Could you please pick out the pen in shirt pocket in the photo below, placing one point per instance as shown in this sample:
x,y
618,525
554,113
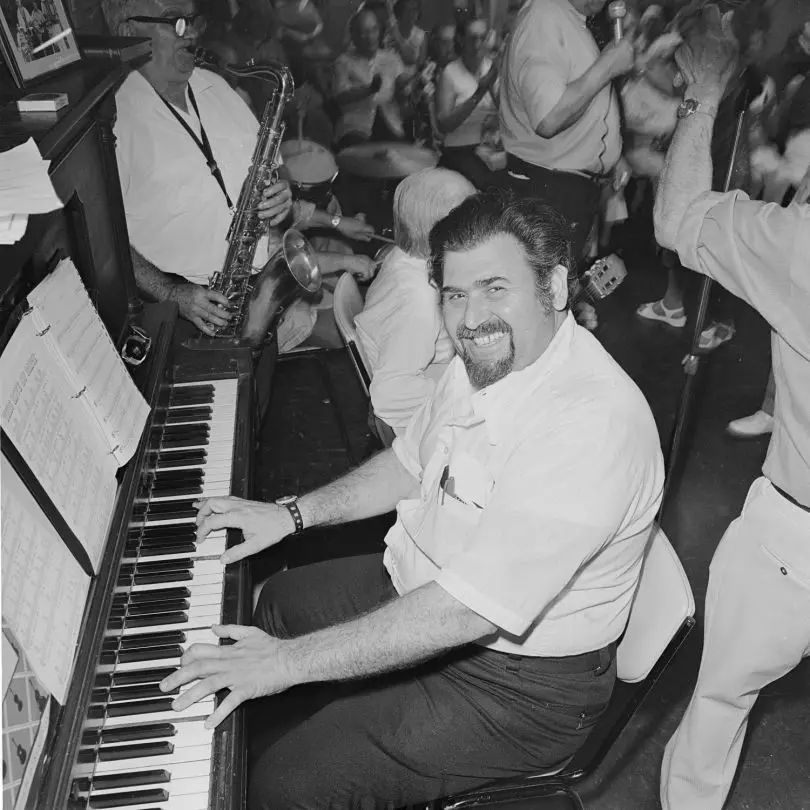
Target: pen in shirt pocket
x,y
447,485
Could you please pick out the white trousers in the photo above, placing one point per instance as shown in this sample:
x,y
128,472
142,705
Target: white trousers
x,y
757,629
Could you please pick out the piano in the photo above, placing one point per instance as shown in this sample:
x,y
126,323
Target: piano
x,y
116,741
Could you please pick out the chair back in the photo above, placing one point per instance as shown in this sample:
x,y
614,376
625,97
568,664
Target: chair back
x,y
346,305
662,603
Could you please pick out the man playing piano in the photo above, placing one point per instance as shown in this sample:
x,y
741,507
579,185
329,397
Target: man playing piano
x,y
185,142
482,643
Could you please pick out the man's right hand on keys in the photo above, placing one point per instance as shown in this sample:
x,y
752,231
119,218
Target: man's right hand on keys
x,y
206,309
262,524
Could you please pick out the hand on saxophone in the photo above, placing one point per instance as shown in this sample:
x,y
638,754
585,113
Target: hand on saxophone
x,y
276,203
206,309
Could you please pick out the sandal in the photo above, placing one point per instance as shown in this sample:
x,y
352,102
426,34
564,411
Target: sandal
x,y
656,311
714,335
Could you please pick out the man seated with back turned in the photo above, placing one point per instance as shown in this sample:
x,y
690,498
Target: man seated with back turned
x,y
482,642
185,142
400,328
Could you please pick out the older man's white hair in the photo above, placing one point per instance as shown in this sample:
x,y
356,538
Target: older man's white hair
x,y
420,201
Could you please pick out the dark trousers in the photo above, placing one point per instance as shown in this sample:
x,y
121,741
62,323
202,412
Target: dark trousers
x,y
465,161
575,196
454,723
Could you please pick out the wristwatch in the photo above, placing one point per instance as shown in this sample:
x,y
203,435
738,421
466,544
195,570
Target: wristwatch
x,y
690,106
290,503
336,220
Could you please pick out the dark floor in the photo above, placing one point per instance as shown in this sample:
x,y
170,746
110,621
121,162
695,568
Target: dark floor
x,y
317,430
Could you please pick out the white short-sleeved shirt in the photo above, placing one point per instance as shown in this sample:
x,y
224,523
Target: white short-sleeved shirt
x,y
353,70
177,216
549,48
457,84
403,336
538,494
759,251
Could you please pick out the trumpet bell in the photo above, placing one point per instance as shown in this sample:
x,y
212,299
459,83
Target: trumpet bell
x,y
300,260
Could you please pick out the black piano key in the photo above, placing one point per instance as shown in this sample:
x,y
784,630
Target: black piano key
x,y
153,639
123,780
183,507
128,798
203,392
160,606
171,511
196,414
142,731
183,430
184,435
177,491
156,619
186,458
161,593
149,690
156,579
142,676
150,654
181,548
156,566
139,707
185,533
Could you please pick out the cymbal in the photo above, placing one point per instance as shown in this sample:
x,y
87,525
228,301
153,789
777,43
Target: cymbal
x,y
385,160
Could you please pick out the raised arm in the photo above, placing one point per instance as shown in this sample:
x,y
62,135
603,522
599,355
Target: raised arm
x,y
575,96
450,116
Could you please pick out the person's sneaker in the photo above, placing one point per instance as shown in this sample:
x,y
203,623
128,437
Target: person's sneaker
x,y
656,311
714,335
749,427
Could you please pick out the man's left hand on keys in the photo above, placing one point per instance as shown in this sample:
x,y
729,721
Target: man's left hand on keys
x,y
276,203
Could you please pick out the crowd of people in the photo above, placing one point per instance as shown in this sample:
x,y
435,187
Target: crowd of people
x,y
482,643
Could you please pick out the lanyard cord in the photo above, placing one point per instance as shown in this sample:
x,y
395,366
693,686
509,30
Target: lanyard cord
x,y
202,143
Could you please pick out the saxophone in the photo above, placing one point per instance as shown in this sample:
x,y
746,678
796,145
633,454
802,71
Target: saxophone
x,y
259,299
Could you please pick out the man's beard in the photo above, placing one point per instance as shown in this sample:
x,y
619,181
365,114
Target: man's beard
x,y
483,373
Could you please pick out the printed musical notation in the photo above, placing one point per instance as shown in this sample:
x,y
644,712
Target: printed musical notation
x,y
44,588
58,440
61,303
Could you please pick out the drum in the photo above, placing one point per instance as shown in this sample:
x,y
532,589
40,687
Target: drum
x,y
312,170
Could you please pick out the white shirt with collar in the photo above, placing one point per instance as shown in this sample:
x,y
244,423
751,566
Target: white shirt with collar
x,y
177,216
403,337
537,497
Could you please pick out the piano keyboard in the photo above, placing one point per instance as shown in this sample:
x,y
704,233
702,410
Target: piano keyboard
x,y
138,753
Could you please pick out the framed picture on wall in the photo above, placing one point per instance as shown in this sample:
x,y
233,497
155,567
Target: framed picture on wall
x,y
36,38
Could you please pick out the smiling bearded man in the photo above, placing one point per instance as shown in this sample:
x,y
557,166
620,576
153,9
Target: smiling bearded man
x,y
502,591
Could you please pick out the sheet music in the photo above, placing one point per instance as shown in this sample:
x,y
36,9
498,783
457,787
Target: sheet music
x,y
62,302
44,588
58,439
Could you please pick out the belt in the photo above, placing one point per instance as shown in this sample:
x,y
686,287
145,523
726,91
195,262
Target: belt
x,y
515,170
790,498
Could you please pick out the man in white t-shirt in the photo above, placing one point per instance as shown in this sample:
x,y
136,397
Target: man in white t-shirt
x,y
482,643
559,116
368,83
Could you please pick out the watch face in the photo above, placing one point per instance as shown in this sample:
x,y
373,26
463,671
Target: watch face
x,y
687,107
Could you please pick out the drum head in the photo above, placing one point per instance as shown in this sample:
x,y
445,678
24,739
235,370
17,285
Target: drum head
x,y
308,163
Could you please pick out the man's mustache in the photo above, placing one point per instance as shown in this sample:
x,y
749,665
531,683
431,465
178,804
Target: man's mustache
x,y
487,328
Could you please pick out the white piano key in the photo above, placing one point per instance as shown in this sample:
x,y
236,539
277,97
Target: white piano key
x,y
198,710
181,755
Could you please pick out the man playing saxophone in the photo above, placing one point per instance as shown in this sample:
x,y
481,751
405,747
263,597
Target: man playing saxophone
x,y
185,142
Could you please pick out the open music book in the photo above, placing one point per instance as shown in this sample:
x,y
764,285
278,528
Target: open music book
x,y
69,406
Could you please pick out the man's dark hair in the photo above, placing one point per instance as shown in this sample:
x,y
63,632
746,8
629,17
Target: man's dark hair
x,y
541,231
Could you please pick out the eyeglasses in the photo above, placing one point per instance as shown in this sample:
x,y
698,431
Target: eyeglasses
x,y
180,24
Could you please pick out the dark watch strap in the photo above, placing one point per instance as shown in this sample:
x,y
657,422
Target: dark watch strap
x,y
292,508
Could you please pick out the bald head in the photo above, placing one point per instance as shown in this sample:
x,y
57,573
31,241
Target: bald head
x,y
420,201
